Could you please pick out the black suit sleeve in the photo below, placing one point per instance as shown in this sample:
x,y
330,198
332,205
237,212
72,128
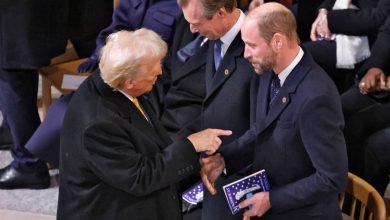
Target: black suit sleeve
x,y
239,153
130,164
365,21
380,53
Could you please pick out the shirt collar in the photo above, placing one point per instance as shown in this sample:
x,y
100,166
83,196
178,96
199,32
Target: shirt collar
x,y
228,38
284,74
127,95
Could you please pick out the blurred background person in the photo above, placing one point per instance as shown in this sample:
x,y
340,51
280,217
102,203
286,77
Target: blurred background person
x,y
74,22
32,33
366,107
342,34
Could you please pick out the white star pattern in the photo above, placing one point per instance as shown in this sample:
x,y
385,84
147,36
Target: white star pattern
x,y
237,190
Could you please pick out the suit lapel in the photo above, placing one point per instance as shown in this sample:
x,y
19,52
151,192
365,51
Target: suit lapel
x,y
209,67
262,96
283,98
226,68
278,105
194,62
157,132
127,110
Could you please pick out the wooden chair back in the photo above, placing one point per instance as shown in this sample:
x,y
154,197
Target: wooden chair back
x,y
366,203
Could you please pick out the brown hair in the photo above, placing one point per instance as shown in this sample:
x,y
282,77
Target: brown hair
x,y
277,21
210,7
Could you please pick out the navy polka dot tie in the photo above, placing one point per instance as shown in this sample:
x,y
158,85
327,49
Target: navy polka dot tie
x,y
274,88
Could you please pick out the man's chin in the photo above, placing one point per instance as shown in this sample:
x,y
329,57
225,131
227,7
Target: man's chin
x,y
258,71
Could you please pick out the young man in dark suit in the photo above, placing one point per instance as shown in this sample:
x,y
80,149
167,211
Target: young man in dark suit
x,y
117,162
297,128
227,79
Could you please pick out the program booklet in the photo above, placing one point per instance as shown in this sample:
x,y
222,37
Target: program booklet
x,y
239,190
194,194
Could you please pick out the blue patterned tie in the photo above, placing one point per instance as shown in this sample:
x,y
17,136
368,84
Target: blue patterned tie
x,y
190,49
217,53
274,88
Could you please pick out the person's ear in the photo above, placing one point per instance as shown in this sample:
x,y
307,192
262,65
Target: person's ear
x,y
128,84
222,12
278,41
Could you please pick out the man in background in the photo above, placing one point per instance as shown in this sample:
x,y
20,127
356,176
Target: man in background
x,y
32,32
227,79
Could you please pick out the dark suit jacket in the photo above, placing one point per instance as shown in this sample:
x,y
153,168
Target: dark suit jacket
x,y
116,165
83,19
31,32
157,15
366,21
299,143
182,87
380,52
226,106
366,115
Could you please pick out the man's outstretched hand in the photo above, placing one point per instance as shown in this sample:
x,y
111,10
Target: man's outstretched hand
x,y
208,140
212,168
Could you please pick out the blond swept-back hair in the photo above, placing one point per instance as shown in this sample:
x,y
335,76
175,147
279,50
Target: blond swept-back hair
x,y
126,53
210,7
276,21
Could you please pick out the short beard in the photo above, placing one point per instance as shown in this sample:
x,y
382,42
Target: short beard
x,y
268,63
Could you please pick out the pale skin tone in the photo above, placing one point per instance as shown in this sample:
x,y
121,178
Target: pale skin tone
x,y
257,49
320,28
143,82
254,4
275,55
207,140
213,28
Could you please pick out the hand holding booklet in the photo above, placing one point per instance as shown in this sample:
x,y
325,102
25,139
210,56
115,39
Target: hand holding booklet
x,y
244,188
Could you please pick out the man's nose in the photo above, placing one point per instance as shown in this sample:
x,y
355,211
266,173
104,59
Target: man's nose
x,y
193,29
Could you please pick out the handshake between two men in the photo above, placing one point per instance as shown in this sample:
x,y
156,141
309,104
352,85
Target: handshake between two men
x,y
214,165
208,141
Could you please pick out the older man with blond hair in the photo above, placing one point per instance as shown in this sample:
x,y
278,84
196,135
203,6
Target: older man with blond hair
x,y
117,162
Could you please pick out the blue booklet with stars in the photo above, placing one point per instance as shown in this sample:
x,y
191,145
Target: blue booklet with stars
x,y
243,188
194,195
